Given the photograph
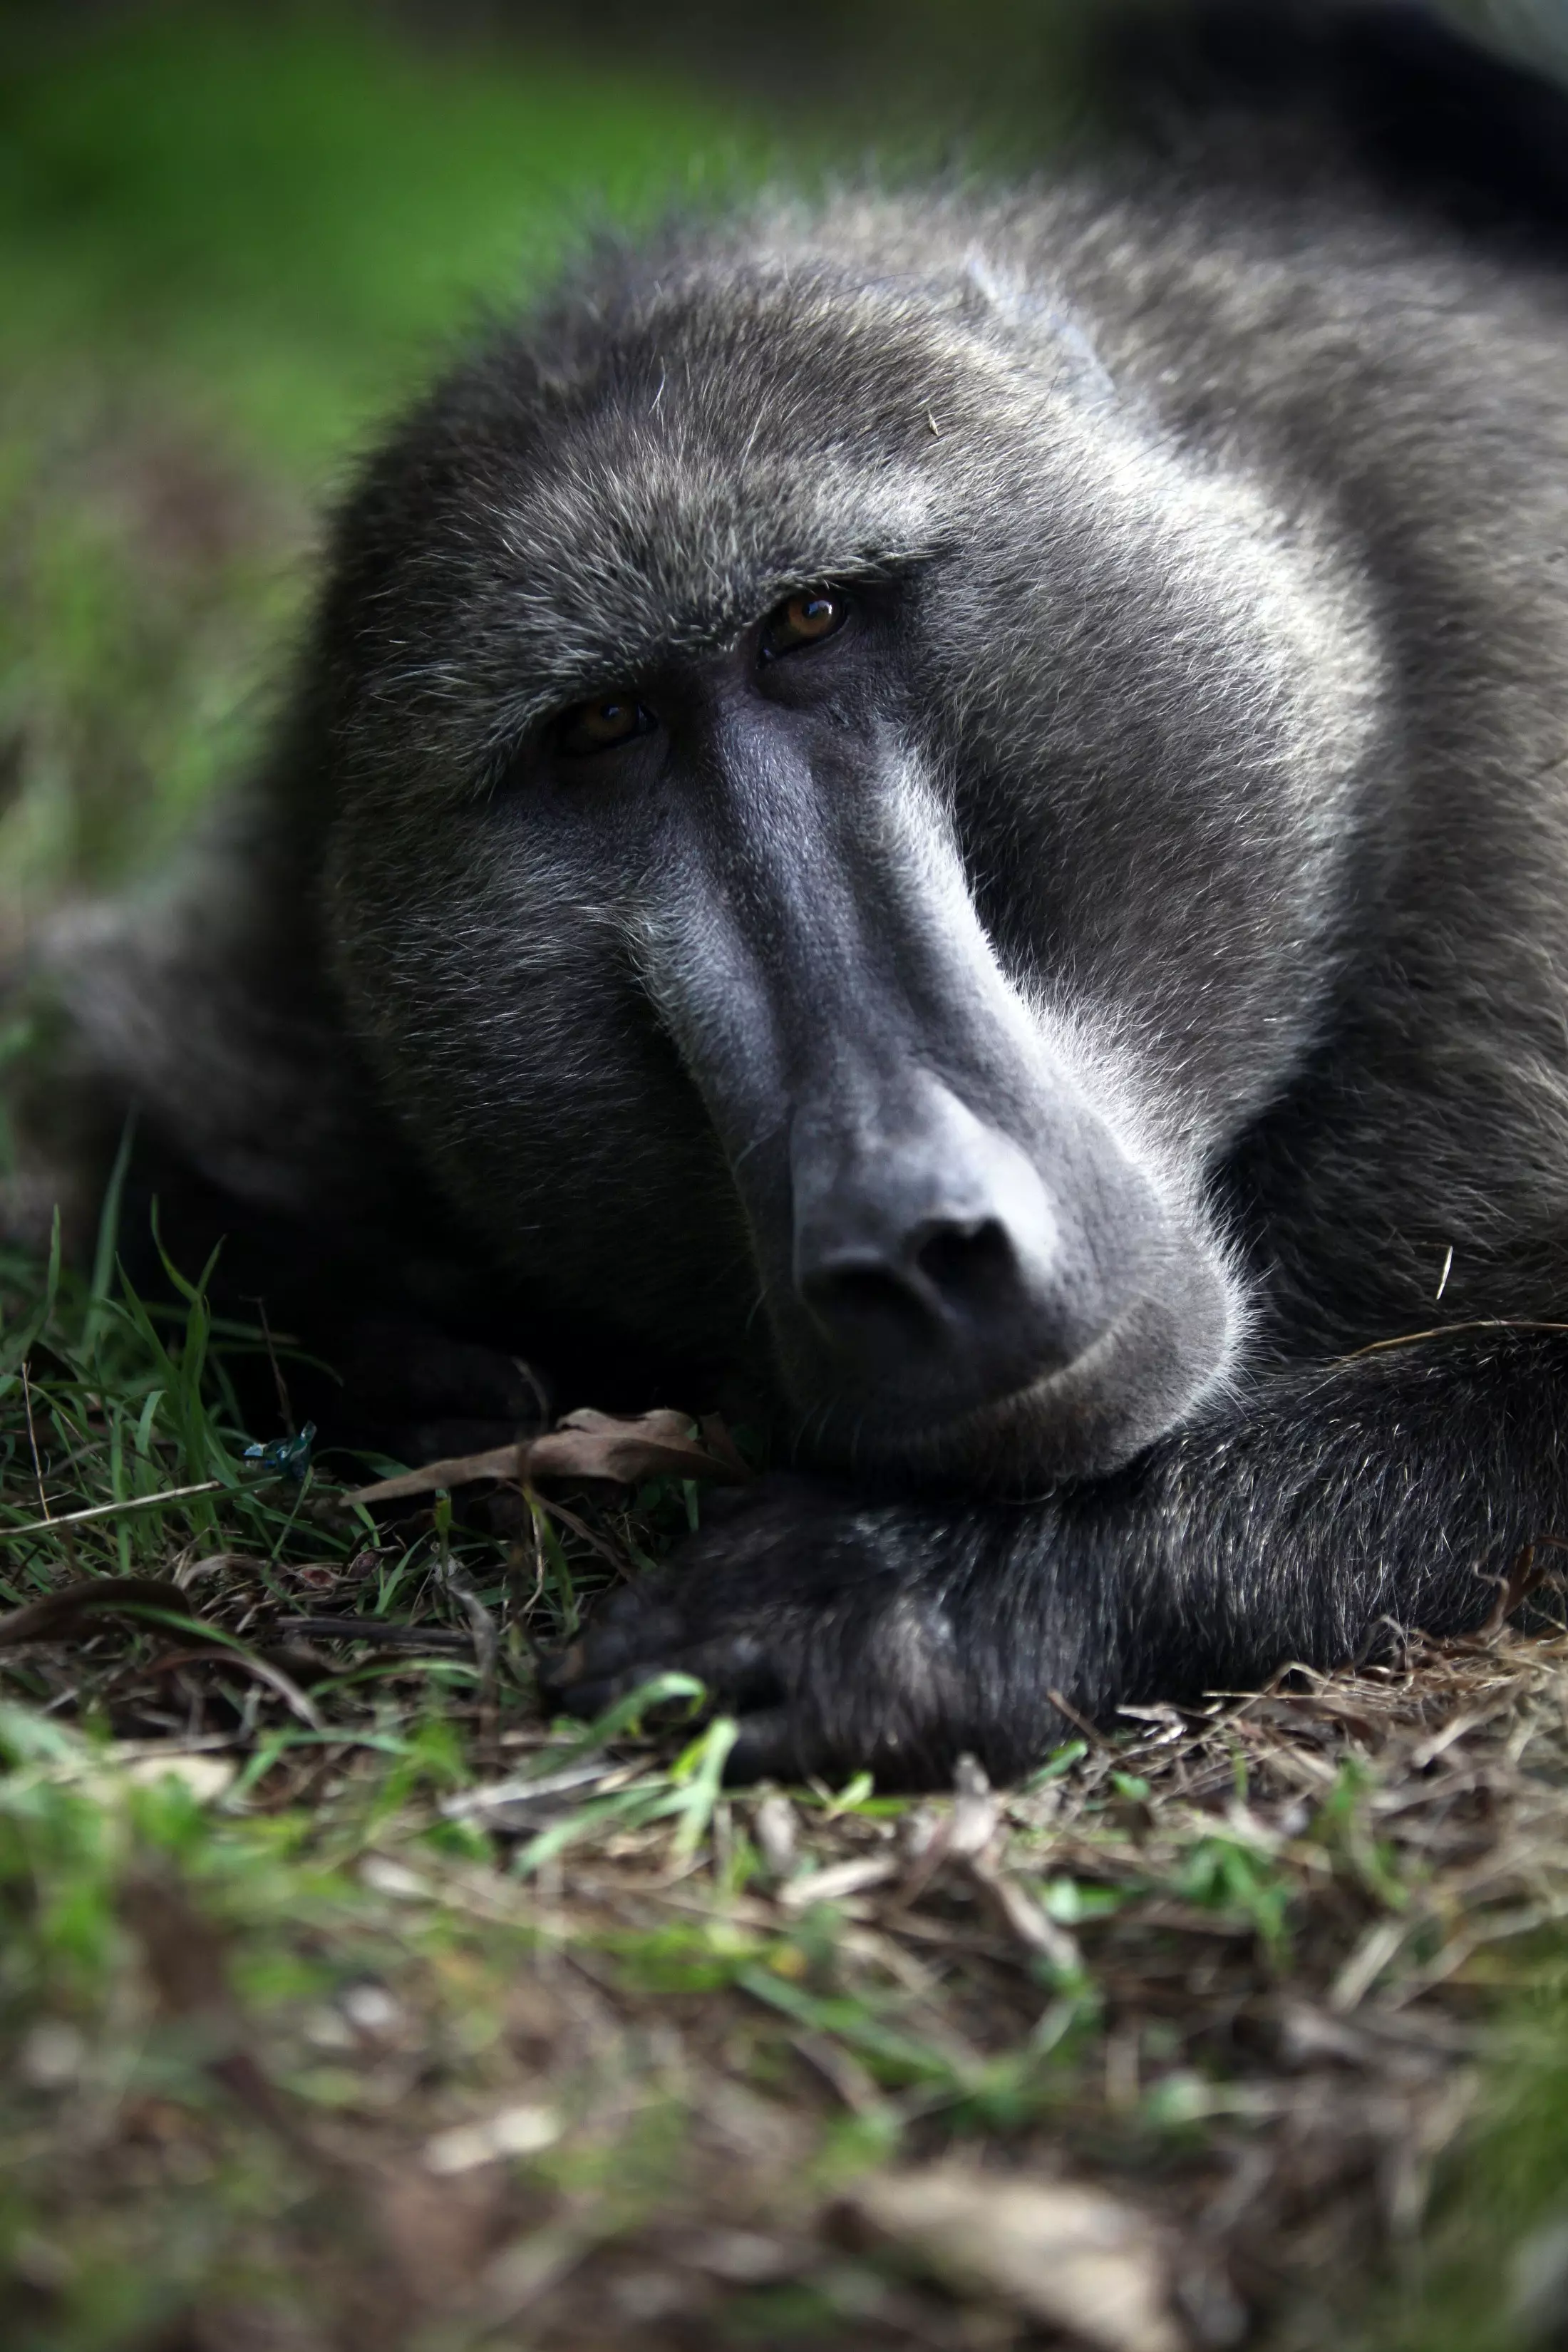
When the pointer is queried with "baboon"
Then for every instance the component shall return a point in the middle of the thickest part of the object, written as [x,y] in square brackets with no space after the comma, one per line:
[953,806]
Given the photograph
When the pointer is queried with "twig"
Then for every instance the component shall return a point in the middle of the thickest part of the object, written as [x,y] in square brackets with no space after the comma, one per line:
[1445,1331]
[108,1510]
[1091,1731]
[223,1655]
[389,1634]
[47,1618]
[33,1442]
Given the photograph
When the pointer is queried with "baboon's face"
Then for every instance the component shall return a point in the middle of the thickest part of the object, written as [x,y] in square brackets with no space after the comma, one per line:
[826,861]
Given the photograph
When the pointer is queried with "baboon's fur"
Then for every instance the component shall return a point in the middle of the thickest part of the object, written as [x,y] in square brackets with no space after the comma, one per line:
[1186,807]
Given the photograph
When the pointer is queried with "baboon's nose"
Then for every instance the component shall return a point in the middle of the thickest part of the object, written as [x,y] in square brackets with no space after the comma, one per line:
[947,1279]
[929,1254]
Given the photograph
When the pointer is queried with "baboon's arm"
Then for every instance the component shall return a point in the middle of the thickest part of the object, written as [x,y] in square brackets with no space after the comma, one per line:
[1396,1489]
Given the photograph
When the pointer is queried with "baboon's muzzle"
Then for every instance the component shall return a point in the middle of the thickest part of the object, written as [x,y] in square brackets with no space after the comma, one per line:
[929,1255]
[945,1221]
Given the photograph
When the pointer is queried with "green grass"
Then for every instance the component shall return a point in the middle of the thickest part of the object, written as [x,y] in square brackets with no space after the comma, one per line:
[297,1882]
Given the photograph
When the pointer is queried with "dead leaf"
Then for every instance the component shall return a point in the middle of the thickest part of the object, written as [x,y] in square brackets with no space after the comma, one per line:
[513,2131]
[584,1445]
[206,1778]
[973,1820]
[589,1445]
[961,1834]
[776,1831]
[838,1881]
[1072,2256]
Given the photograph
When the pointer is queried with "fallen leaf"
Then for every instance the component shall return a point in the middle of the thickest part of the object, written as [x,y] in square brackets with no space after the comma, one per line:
[584,1445]
[838,1881]
[1075,2257]
[589,1445]
[384,1875]
[776,1831]
[972,1821]
[206,1778]
[522,1802]
[963,1833]
[515,2131]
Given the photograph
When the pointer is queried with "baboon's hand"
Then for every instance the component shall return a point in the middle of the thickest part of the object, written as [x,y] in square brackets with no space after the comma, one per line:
[423,1395]
[843,1633]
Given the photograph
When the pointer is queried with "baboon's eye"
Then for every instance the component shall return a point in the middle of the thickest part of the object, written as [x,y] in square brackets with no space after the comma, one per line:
[804,620]
[602,726]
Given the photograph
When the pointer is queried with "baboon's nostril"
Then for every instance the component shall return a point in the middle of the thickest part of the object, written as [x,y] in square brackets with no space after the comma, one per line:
[855,1296]
[945,1284]
[969,1264]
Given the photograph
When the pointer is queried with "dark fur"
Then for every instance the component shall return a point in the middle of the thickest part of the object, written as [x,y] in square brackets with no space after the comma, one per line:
[1177,842]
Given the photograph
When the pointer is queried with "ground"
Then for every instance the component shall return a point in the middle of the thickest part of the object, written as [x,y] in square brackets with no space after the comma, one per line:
[347,1999]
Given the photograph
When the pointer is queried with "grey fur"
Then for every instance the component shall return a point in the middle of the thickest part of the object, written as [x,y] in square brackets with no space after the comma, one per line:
[1181,830]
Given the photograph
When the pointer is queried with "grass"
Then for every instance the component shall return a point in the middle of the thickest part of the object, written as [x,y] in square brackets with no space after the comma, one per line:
[345,1999]
[349,2000]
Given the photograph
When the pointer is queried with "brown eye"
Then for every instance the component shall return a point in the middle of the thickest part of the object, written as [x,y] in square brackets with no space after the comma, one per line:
[804,620]
[602,726]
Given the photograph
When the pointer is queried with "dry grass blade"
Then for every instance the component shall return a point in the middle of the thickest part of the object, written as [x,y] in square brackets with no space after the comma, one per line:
[96,1511]
[1071,2256]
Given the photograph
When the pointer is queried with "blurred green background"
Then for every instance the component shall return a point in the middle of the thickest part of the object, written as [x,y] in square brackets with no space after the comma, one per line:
[231,239]
[228,244]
